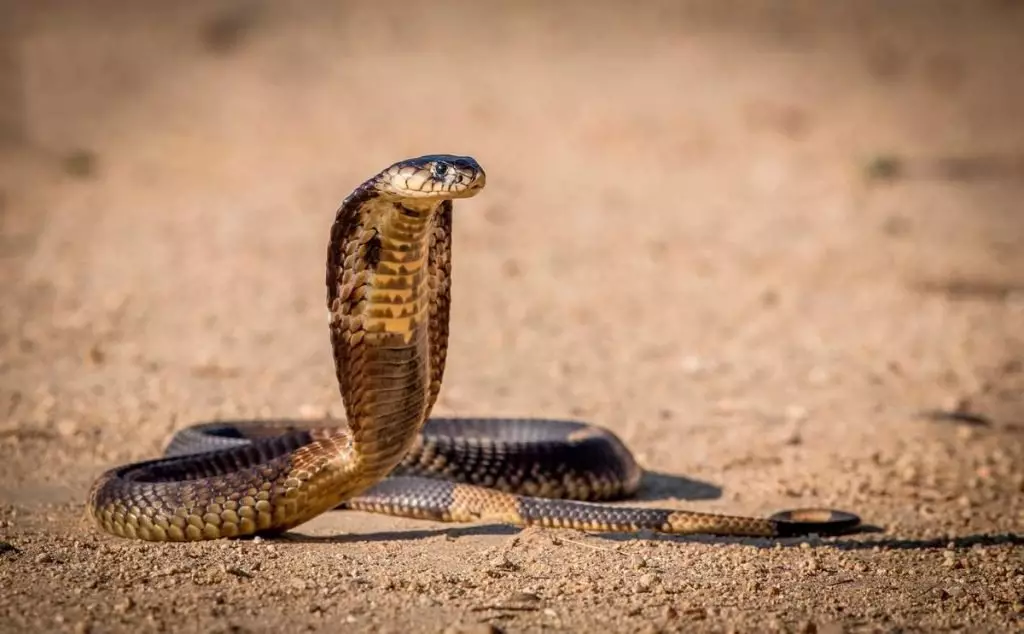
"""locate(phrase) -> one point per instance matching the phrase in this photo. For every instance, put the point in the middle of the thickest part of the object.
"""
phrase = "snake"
(389, 278)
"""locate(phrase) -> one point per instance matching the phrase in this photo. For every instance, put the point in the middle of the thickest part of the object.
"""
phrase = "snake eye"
(440, 170)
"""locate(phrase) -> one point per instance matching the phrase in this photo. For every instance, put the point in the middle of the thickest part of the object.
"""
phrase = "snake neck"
(379, 297)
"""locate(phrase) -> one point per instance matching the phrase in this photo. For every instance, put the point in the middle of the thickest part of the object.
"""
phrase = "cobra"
(388, 295)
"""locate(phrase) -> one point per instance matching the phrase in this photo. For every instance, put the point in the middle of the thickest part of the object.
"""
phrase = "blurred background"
(778, 247)
(739, 192)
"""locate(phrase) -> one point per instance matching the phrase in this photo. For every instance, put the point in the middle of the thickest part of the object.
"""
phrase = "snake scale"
(388, 295)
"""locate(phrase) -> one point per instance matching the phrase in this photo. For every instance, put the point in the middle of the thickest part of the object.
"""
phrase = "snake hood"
(432, 176)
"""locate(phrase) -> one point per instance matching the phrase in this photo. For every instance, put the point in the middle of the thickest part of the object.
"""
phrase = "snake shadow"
(656, 485)
(842, 543)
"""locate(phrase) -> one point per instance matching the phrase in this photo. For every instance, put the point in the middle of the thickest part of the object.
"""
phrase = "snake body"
(388, 295)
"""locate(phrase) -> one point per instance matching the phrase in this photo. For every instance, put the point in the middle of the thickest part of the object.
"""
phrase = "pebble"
(67, 428)
(43, 558)
(523, 597)
(646, 582)
(501, 562)
(237, 572)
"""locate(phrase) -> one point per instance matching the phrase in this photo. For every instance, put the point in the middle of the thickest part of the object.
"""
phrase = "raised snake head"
(435, 176)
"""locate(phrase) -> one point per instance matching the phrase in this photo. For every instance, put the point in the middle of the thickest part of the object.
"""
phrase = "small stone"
(67, 428)
(501, 562)
(43, 558)
(646, 582)
(237, 572)
(523, 597)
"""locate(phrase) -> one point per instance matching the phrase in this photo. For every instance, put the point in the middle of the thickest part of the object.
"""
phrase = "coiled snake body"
(388, 293)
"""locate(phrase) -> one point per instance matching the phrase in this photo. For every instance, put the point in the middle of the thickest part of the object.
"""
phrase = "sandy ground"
(755, 243)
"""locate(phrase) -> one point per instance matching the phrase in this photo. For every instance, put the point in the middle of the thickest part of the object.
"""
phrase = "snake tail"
(446, 501)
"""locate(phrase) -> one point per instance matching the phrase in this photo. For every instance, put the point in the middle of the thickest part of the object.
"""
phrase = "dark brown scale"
(371, 251)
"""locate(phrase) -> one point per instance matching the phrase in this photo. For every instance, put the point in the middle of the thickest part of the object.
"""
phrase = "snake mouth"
(472, 188)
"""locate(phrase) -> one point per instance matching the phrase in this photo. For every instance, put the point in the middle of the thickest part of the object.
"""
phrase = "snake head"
(435, 176)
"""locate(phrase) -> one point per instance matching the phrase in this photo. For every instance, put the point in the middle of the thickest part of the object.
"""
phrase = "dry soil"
(777, 247)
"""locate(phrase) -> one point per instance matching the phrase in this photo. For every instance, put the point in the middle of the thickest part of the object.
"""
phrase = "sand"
(780, 252)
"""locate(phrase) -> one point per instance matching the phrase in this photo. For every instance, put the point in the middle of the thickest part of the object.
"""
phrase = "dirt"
(778, 249)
